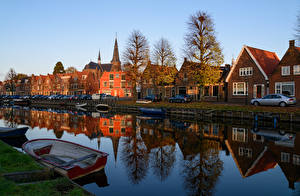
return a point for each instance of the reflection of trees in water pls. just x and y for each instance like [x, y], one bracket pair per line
[201, 171]
[9, 118]
[135, 157]
[58, 133]
[162, 161]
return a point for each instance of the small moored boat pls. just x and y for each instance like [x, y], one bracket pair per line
[67, 158]
[81, 105]
[153, 111]
[143, 101]
[12, 132]
[102, 107]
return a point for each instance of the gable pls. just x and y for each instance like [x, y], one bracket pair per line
[264, 60]
[267, 60]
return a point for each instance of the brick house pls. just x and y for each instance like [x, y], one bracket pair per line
[212, 92]
[113, 80]
[158, 80]
[286, 77]
[250, 73]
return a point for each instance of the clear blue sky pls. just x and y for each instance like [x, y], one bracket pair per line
[34, 35]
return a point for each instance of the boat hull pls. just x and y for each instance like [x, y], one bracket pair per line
[102, 107]
[12, 132]
[153, 111]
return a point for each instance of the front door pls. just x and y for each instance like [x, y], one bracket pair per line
[258, 91]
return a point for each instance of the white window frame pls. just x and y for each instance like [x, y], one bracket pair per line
[285, 157]
[285, 70]
[296, 159]
[296, 69]
[239, 134]
[278, 87]
[234, 88]
[246, 71]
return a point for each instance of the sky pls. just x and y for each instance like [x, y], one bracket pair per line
[35, 35]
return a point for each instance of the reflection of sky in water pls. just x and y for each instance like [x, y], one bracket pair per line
[230, 181]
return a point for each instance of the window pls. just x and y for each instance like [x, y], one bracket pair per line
[240, 88]
[105, 84]
[111, 84]
[296, 159]
[111, 130]
[246, 71]
[296, 69]
[111, 76]
[285, 157]
[215, 91]
[247, 152]
[123, 77]
[122, 84]
[285, 70]
[286, 88]
[206, 91]
[123, 130]
[239, 134]
[117, 75]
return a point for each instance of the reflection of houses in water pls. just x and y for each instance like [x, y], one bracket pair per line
[248, 151]
[288, 159]
[257, 152]
[114, 128]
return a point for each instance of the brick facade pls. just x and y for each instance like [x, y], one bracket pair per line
[287, 83]
[249, 76]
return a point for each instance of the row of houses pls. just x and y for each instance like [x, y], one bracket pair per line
[94, 78]
[253, 74]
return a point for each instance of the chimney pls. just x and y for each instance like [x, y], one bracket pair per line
[292, 43]
[185, 59]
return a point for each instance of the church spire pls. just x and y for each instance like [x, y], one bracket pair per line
[116, 58]
[99, 58]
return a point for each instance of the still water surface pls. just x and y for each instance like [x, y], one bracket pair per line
[161, 156]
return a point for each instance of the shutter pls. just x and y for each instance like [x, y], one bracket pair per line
[262, 90]
[254, 90]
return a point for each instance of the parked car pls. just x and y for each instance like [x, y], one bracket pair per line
[106, 97]
[274, 100]
[180, 99]
[153, 98]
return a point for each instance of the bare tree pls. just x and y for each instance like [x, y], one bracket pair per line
[10, 80]
[203, 49]
[163, 53]
[135, 57]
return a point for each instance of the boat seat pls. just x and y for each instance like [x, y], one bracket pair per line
[78, 160]
[53, 158]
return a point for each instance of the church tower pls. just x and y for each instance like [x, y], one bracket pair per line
[116, 64]
[99, 58]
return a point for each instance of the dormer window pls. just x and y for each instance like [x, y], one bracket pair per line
[285, 70]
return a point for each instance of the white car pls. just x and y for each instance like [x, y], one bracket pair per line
[274, 100]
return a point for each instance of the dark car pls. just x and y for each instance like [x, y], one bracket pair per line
[180, 99]
[153, 98]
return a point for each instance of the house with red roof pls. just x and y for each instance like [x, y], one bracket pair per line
[286, 76]
[250, 74]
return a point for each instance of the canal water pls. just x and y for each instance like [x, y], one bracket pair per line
[172, 156]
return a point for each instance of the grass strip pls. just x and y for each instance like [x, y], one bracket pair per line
[12, 160]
